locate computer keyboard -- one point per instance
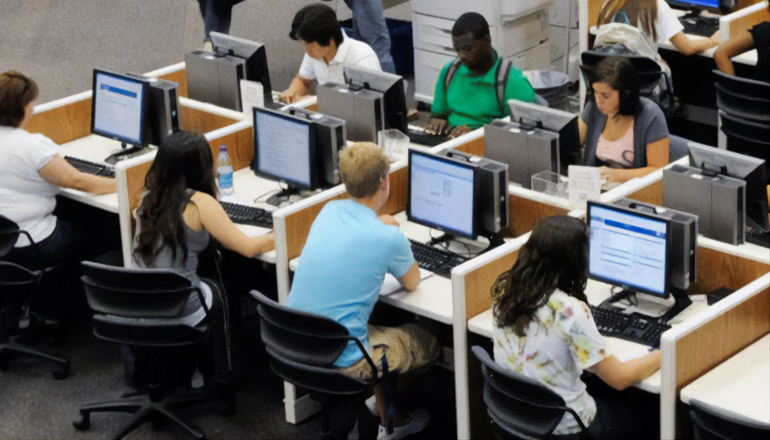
(703, 26)
(248, 215)
(89, 167)
(757, 236)
(423, 138)
(632, 327)
(436, 260)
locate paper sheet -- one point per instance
(584, 184)
(391, 285)
(252, 95)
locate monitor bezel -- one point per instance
(689, 5)
(474, 202)
(667, 270)
(311, 146)
(144, 116)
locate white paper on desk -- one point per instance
(252, 95)
(391, 284)
(584, 184)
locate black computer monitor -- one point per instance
(442, 194)
(119, 110)
(253, 54)
(563, 123)
(390, 85)
(696, 5)
(752, 170)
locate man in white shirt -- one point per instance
(327, 50)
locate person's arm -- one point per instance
(439, 123)
(60, 173)
(690, 46)
(298, 88)
(657, 157)
(621, 375)
(582, 129)
(734, 47)
(411, 279)
(218, 224)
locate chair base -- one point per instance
(144, 410)
(61, 369)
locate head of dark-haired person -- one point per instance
(316, 26)
(18, 94)
(554, 257)
(473, 43)
(616, 87)
(183, 161)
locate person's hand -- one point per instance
(716, 38)
(609, 175)
(437, 126)
(389, 220)
(288, 97)
(459, 131)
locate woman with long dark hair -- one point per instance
(545, 331)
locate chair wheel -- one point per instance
(61, 371)
(82, 423)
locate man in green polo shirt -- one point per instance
(471, 100)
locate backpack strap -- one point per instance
(450, 74)
(501, 80)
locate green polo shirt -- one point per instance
(472, 99)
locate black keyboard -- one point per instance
(631, 327)
(436, 260)
(757, 236)
(89, 167)
(423, 138)
(703, 26)
(248, 215)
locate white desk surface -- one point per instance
(95, 149)
(749, 57)
(622, 349)
(739, 386)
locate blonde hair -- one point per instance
(362, 167)
(644, 12)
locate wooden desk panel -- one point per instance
(398, 192)
(179, 77)
(525, 214)
(652, 194)
(476, 147)
(478, 284)
(718, 269)
(200, 121)
(64, 124)
(240, 147)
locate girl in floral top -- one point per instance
(544, 330)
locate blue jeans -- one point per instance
(369, 26)
(216, 15)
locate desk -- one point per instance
(739, 386)
(95, 149)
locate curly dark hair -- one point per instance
(554, 257)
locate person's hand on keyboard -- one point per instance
(459, 131)
(389, 220)
(716, 38)
(437, 126)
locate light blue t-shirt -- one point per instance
(342, 267)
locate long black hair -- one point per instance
(619, 73)
(184, 161)
(554, 257)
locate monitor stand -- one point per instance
(663, 310)
(475, 247)
(285, 195)
(116, 157)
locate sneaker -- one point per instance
(418, 420)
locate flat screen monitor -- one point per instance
(284, 148)
(390, 85)
(629, 249)
(563, 123)
(752, 170)
(442, 194)
(119, 107)
(711, 5)
(252, 53)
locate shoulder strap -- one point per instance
(189, 192)
(450, 74)
(501, 80)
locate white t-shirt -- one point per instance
(555, 351)
(666, 24)
(25, 197)
(350, 53)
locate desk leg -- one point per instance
(462, 398)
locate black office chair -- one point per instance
(520, 407)
(17, 286)
(711, 424)
(746, 137)
(742, 97)
(137, 308)
(302, 349)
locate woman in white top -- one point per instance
(32, 172)
(544, 330)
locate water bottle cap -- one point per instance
(223, 148)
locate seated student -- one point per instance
(624, 134)
(471, 99)
(544, 330)
(327, 50)
(758, 37)
(342, 267)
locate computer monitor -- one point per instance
(752, 170)
(442, 194)
(253, 54)
(119, 110)
(390, 85)
(562, 123)
(629, 249)
(696, 5)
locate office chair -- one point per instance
(17, 286)
(522, 408)
(711, 424)
(746, 137)
(303, 347)
(742, 97)
(137, 308)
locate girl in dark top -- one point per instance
(757, 38)
(624, 134)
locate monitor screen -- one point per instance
(628, 249)
(284, 148)
(442, 194)
(703, 4)
(119, 107)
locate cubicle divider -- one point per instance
(738, 22)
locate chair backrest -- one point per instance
(519, 404)
(648, 71)
(746, 137)
(742, 97)
(9, 234)
(709, 423)
(677, 148)
(16, 281)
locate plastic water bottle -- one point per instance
(225, 171)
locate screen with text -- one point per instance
(442, 194)
(283, 147)
(118, 108)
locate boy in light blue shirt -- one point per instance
(348, 252)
